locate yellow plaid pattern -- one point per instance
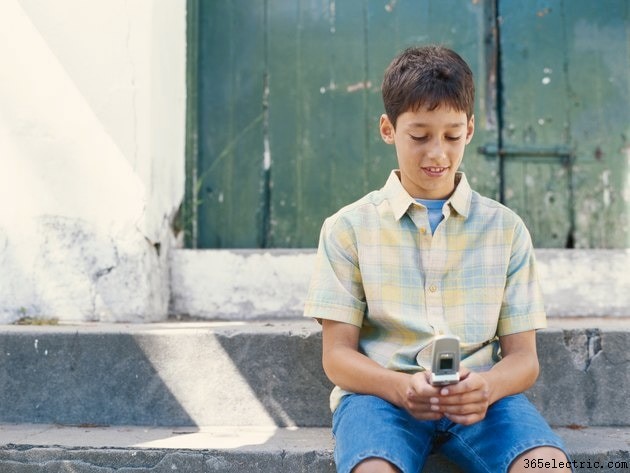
(379, 267)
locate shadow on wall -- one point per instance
(284, 370)
(91, 379)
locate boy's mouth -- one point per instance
(435, 171)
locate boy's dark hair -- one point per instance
(427, 76)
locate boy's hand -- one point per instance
(420, 396)
(465, 402)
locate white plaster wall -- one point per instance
(92, 136)
(271, 284)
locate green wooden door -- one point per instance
(285, 100)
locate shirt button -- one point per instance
(432, 288)
(423, 230)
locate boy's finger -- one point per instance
(463, 394)
(470, 384)
(465, 409)
(422, 387)
(467, 399)
(465, 419)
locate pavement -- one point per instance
(237, 449)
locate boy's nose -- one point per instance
(436, 149)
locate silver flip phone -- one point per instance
(445, 366)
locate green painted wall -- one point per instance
(286, 101)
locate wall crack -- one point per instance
(584, 345)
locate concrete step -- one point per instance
(56, 449)
(259, 374)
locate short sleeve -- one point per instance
(523, 307)
(336, 288)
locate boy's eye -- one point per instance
(425, 138)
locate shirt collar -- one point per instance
(462, 197)
(400, 200)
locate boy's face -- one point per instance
(430, 146)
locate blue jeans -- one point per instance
(369, 427)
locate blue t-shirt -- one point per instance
(435, 211)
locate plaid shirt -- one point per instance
(380, 268)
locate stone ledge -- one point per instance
(253, 284)
(169, 374)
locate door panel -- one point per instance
(535, 116)
(598, 44)
(230, 125)
(565, 84)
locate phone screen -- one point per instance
(446, 363)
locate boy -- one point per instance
(421, 257)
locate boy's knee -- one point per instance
(375, 465)
(541, 459)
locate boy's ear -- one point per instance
(470, 129)
(387, 129)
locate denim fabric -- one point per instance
(369, 427)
